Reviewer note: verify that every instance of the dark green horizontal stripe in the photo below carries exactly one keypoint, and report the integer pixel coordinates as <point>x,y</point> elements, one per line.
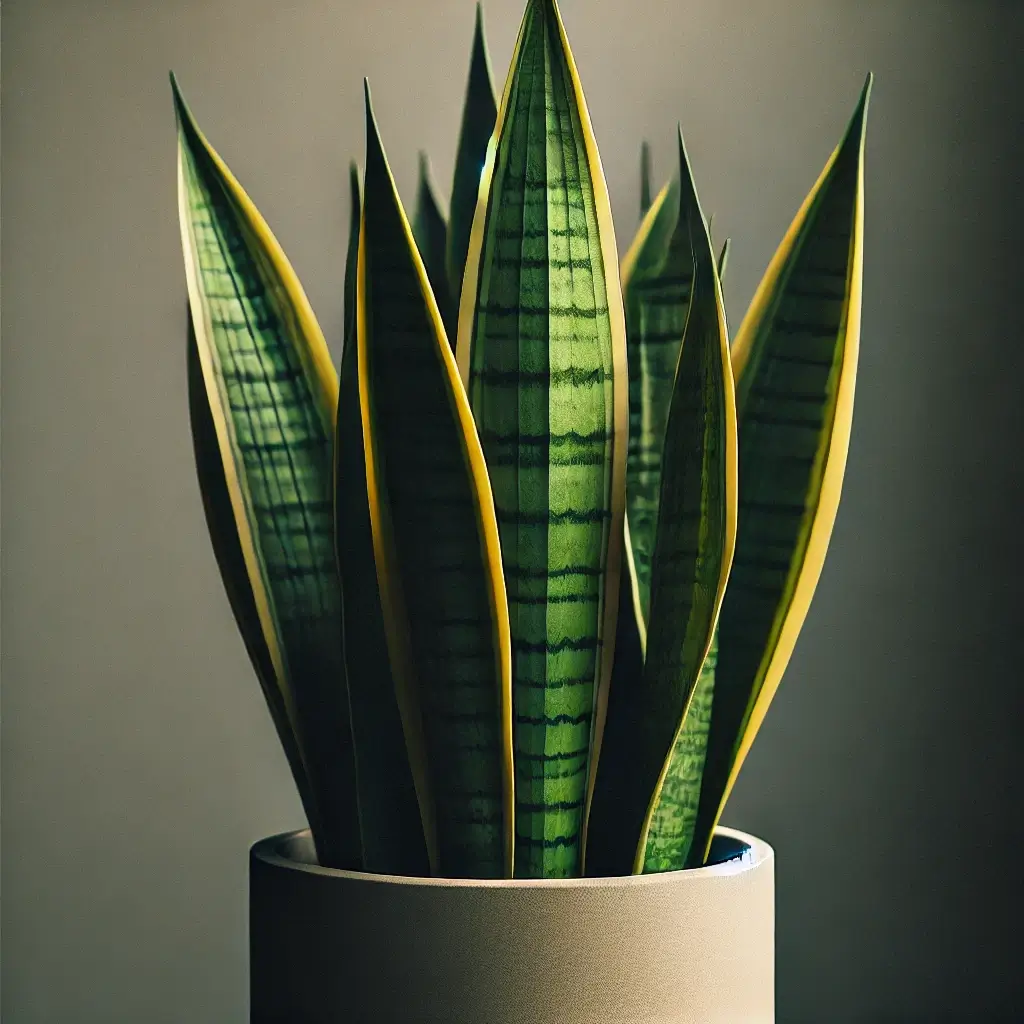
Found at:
<point>529,573</point>
<point>526,807</point>
<point>558,755</point>
<point>556,683</point>
<point>270,375</point>
<point>510,235</point>
<point>559,599</point>
<point>573,311</point>
<point>532,459</point>
<point>567,643</point>
<point>548,844</point>
<point>573,376</point>
<point>526,263</point>
<point>554,719</point>
<point>575,517</point>
<point>491,436</point>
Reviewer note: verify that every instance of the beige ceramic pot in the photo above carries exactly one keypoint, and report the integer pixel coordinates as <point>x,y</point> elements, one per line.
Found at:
<point>683,947</point>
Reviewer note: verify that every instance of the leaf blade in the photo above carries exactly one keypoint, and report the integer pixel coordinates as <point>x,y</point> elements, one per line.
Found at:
<point>657,280</point>
<point>479,114</point>
<point>436,544</point>
<point>393,837</point>
<point>272,392</point>
<point>231,562</point>
<point>796,349</point>
<point>430,230</point>
<point>553,425</point>
<point>647,777</point>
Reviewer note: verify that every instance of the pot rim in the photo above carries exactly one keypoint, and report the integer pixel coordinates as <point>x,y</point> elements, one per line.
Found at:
<point>754,852</point>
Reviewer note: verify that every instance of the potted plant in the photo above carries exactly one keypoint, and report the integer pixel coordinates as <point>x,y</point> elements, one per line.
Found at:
<point>482,573</point>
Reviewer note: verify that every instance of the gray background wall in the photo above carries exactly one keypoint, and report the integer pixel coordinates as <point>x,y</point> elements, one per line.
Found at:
<point>138,760</point>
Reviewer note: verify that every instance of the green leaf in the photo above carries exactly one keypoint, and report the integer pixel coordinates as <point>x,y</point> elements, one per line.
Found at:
<point>435,540</point>
<point>231,561</point>
<point>542,347</point>
<point>430,230</point>
<point>723,259</point>
<point>393,838</point>
<point>657,274</point>
<point>645,179</point>
<point>795,360</point>
<point>479,112</point>
<point>271,392</point>
<point>645,801</point>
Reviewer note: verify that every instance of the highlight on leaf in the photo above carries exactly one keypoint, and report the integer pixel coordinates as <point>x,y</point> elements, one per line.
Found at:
<point>542,347</point>
<point>795,361</point>
<point>648,779</point>
<point>271,392</point>
<point>435,541</point>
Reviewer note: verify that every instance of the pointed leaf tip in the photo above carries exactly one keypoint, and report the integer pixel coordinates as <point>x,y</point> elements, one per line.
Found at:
<point>689,193</point>
<point>858,121</point>
<point>180,106</point>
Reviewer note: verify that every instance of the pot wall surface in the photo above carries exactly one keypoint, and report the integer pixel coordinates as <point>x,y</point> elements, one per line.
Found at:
<point>683,947</point>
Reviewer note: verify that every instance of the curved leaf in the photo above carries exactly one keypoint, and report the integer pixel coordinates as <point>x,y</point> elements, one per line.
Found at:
<point>542,347</point>
<point>430,230</point>
<point>435,540</point>
<point>272,394</point>
<point>795,360</point>
<point>393,839</point>
<point>479,112</point>
<point>646,799</point>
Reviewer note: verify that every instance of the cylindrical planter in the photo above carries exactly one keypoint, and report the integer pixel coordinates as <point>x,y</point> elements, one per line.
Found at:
<point>341,947</point>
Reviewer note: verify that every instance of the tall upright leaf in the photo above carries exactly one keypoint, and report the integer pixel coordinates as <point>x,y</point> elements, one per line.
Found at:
<point>435,541</point>
<point>479,112</point>
<point>542,348</point>
<point>272,393</point>
<point>430,229</point>
<point>393,839</point>
<point>657,274</point>
<point>645,801</point>
<point>795,360</point>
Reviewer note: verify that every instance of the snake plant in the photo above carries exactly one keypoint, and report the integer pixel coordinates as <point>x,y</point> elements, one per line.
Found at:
<point>520,581</point>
